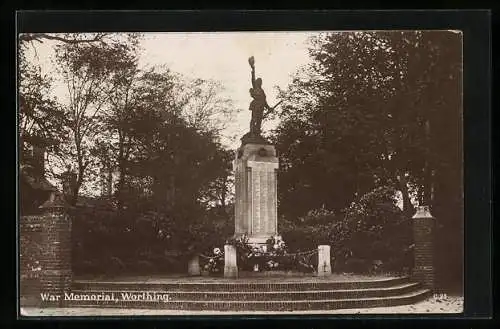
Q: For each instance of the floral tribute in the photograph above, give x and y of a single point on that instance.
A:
(271, 256)
(214, 264)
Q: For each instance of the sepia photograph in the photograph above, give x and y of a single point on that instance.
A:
(240, 172)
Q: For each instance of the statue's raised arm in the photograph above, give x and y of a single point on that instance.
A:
(251, 61)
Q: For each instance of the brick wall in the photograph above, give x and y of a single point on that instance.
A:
(45, 255)
(30, 240)
(423, 234)
(56, 259)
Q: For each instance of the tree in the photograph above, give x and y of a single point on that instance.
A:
(336, 138)
(40, 116)
(116, 121)
(218, 191)
(89, 71)
(370, 96)
(173, 169)
(146, 100)
(205, 108)
(377, 108)
(179, 163)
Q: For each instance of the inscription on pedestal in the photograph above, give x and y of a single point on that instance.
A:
(256, 192)
(248, 201)
(264, 201)
(275, 200)
(263, 198)
(238, 202)
(256, 227)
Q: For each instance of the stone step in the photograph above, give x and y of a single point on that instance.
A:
(279, 274)
(281, 305)
(203, 295)
(232, 285)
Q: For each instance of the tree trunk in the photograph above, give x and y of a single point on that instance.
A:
(121, 172)
(428, 176)
(408, 208)
(79, 183)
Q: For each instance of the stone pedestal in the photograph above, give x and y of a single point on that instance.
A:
(194, 266)
(230, 264)
(56, 273)
(423, 230)
(324, 266)
(256, 170)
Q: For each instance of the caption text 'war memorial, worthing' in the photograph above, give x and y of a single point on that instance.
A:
(257, 273)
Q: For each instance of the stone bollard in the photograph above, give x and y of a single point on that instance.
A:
(423, 230)
(324, 266)
(230, 266)
(56, 273)
(194, 266)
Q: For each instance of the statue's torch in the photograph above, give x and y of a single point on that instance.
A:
(251, 61)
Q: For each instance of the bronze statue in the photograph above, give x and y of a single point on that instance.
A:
(259, 105)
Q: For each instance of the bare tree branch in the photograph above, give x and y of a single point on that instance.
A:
(39, 37)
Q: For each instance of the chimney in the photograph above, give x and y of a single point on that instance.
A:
(68, 179)
(38, 155)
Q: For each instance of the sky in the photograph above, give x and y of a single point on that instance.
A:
(221, 56)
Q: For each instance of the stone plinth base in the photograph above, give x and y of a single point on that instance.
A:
(258, 240)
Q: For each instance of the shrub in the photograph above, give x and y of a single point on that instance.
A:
(108, 242)
(309, 231)
(378, 230)
(373, 232)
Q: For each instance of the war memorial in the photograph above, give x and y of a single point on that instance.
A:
(252, 273)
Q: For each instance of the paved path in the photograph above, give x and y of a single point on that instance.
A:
(450, 304)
